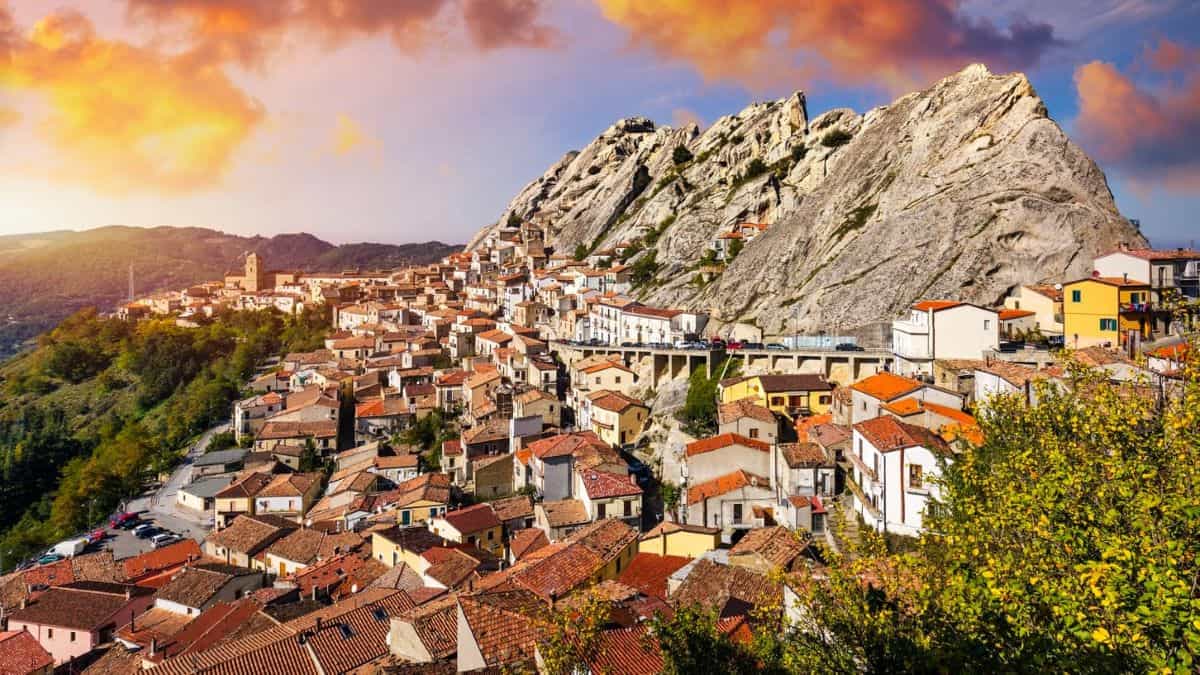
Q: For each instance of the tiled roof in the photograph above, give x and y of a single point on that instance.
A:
(436, 625)
(563, 445)
(1051, 292)
(505, 624)
(723, 441)
(527, 541)
(511, 508)
(415, 538)
(489, 431)
(250, 534)
(614, 401)
(280, 430)
(160, 559)
(84, 605)
(452, 447)
(777, 545)
(472, 519)
(606, 537)
(246, 486)
(194, 586)
(1015, 374)
(724, 485)
(795, 382)
(339, 575)
(886, 386)
(556, 570)
(605, 365)
(731, 412)
(628, 651)
(935, 305)
(827, 435)
(668, 526)
(888, 433)
(21, 653)
(804, 455)
(904, 407)
(1109, 281)
(453, 569)
(1010, 314)
(714, 586)
(648, 572)
(290, 485)
(564, 512)
(605, 485)
(1160, 253)
(153, 624)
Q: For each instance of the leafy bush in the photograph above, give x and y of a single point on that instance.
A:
(735, 247)
(755, 168)
(737, 139)
(645, 269)
(835, 138)
(699, 413)
(681, 155)
(799, 152)
(581, 251)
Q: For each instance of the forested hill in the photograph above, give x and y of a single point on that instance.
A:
(45, 277)
(102, 405)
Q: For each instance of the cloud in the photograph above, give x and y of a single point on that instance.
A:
(681, 117)
(893, 43)
(1169, 56)
(1152, 135)
(349, 138)
(9, 117)
(126, 118)
(248, 32)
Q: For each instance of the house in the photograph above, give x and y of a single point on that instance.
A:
(476, 525)
(795, 395)
(767, 549)
(648, 572)
(276, 435)
(538, 402)
(453, 461)
(305, 547)
(218, 461)
(427, 633)
(1046, 303)
(154, 568)
(616, 418)
(245, 537)
(288, 495)
(1015, 324)
(609, 495)
(499, 630)
(803, 469)
(1177, 269)
(200, 495)
(71, 620)
(559, 518)
(525, 542)
(380, 418)
(516, 513)
(942, 329)
(416, 499)
(238, 498)
(553, 460)
(399, 467)
(403, 545)
(196, 588)
(1002, 377)
(728, 501)
(21, 654)
(894, 471)
(251, 414)
(492, 476)
(745, 417)
(709, 458)
(672, 539)
(870, 394)
(1108, 311)
(489, 438)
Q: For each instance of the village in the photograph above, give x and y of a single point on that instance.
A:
(484, 441)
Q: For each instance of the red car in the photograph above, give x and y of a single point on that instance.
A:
(96, 536)
(122, 519)
(733, 345)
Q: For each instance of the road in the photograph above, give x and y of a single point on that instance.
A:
(160, 505)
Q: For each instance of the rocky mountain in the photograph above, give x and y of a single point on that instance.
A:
(963, 190)
(46, 276)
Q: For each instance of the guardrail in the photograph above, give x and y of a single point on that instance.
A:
(757, 351)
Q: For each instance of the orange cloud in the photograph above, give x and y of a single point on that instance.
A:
(894, 43)
(349, 137)
(126, 118)
(1151, 136)
(1169, 56)
(9, 117)
(249, 31)
(681, 117)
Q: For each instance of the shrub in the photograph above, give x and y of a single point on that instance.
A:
(645, 269)
(581, 251)
(737, 139)
(756, 168)
(735, 247)
(681, 155)
(799, 152)
(835, 138)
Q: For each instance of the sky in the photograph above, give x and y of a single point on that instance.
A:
(411, 120)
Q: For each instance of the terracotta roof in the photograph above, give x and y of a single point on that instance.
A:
(414, 538)
(726, 588)
(526, 541)
(497, 336)
(290, 485)
(796, 382)
(946, 411)
(724, 485)
(827, 435)
(339, 575)
(1010, 314)
(307, 546)
(403, 461)
(250, 534)
(160, 559)
(117, 660)
(21, 653)
(1051, 292)
(511, 508)
(156, 624)
(564, 512)
(628, 651)
(505, 624)
(452, 447)
(886, 386)
(888, 433)
(1015, 374)
(723, 441)
(453, 569)
(491, 430)
(614, 401)
(563, 445)
(280, 430)
(904, 407)
(246, 486)
(84, 605)
(1175, 351)
(648, 572)
(472, 519)
(804, 455)
(1159, 253)
(935, 305)
(194, 586)
(728, 413)
(607, 537)
(605, 485)
(668, 527)
(436, 625)
(605, 365)
(1109, 281)
(777, 545)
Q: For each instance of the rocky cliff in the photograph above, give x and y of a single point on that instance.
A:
(962, 191)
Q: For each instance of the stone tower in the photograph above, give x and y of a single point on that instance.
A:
(254, 279)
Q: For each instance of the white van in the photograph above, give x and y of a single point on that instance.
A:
(69, 548)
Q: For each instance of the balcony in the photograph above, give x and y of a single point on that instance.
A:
(909, 327)
(1137, 307)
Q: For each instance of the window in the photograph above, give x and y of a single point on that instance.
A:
(491, 535)
(1108, 324)
(72, 636)
(1135, 297)
(49, 632)
(601, 511)
(618, 379)
(824, 399)
(987, 323)
(1076, 296)
(915, 476)
(597, 380)
(628, 508)
(737, 513)
(754, 433)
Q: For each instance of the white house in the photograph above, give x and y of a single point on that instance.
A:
(942, 329)
(895, 465)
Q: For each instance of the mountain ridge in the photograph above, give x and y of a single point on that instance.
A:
(963, 190)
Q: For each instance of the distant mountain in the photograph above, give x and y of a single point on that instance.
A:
(47, 276)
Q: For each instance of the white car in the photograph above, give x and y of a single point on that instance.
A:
(165, 539)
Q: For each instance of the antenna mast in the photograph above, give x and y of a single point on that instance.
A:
(132, 297)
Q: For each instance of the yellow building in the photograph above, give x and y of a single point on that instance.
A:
(616, 418)
(1100, 310)
(792, 395)
(680, 539)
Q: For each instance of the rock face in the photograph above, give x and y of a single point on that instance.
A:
(963, 191)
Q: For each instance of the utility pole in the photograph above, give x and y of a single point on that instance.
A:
(132, 296)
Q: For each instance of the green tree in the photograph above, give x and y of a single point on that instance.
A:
(699, 413)
(581, 251)
(690, 643)
(735, 247)
(309, 459)
(836, 138)
(645, 269)
(681, 155)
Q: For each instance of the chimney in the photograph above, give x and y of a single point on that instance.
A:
(1125, 275)
(319, 620)
(153, 646)
(128, 593)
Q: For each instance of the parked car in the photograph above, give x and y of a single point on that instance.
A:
(69, 548)
(49, 558)
(848, 347)
(628, 344)
(753, 345)
(164, 539)
(716, 343)
(96, 536)
(776, 347)
(145, 531)
(732, 345)
(123, 520)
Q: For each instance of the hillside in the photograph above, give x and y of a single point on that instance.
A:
(963, 190)
(45, 277)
